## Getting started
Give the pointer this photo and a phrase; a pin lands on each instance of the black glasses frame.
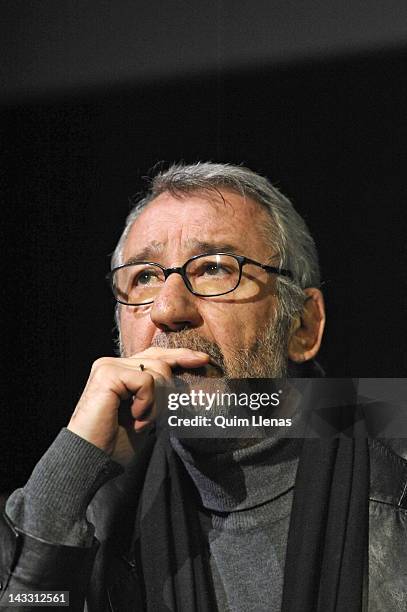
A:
(181, 270)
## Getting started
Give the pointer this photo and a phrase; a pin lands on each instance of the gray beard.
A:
(266, 358)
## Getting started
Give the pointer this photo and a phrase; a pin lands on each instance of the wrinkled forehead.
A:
(200, 221)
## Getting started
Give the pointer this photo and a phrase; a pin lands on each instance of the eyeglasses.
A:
(208, 275)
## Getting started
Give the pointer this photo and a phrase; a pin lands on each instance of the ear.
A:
(307, 328)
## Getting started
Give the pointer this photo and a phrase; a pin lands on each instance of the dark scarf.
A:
(172, 556)
(326, 561)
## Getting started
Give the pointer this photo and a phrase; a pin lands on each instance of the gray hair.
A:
(287, 232)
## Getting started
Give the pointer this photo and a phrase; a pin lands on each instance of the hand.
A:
(113, 379)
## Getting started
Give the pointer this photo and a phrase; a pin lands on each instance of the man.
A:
(215, 273)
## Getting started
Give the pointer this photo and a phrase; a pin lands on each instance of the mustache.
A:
(190, 339)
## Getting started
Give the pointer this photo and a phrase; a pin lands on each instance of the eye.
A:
(145, 277)
(213, 269)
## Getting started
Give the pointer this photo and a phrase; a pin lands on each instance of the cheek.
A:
(230, 324)
(135, 329)
(240, 324)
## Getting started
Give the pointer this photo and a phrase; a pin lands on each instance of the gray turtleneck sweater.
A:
(248, 493)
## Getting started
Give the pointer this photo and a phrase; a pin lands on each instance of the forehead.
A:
(188, 223)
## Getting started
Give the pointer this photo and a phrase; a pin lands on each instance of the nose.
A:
(175, 307)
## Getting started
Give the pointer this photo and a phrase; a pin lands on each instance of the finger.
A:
(156, 352)
(144, 406)
(120, 382)
(174, 357)
(144, 398)
(158, 369)
(140, 425)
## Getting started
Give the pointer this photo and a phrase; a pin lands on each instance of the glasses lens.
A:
(213, 274)
(137, 283)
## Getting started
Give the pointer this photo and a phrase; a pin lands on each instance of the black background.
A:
(329, 132)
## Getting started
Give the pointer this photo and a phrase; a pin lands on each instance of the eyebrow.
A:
(154, 250)
(212, 247)
(147, 254)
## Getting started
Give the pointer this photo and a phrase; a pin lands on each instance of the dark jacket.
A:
(106, 577)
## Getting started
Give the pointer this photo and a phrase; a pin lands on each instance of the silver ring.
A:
(141, 366)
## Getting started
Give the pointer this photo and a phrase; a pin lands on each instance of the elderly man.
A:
(215, 273)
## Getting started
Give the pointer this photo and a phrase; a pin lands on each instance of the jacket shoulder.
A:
(388, 472)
